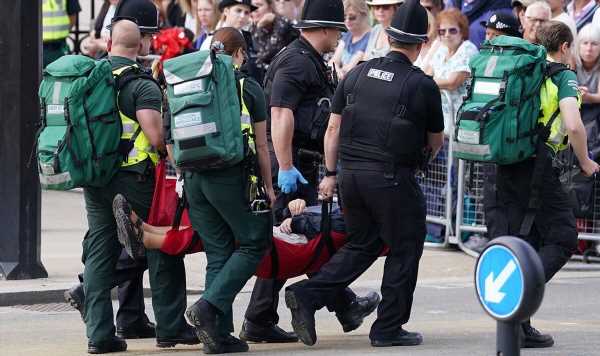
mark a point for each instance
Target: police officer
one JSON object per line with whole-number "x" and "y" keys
{"x": 58, "y": 17}
{"x": 385, "y": 113}
{"x": 299, "y": 86}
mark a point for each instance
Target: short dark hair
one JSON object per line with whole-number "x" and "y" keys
{"x": 401, "y": 45}
{"x": 553, "y": 34}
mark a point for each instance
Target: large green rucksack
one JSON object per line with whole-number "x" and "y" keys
{"x": 498, "y": 120}
{"x": 205, "y": 111}
{"x": 79, "y": 141}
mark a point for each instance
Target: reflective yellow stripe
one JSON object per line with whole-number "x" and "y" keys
{"x": 55, "y": 20}
{"x": 557, "y": 140}
{"x": 245, "y": 118}
{"x": 142, "y": 149}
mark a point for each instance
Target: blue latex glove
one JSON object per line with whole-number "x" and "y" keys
{"x": 286, "y": 180}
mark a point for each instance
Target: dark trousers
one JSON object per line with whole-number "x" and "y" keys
{"x": 129, "y": 278}
{"x": 379, "y": 212}
{"x": 554, "y": 232}
{"x": 495, "y": 217}
{"x": 264, "y": 301}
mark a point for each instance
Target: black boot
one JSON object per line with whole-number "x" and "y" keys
{"x": 303, "y": 317}
{"x": 532, "y": 338}
{"x": 203, "y": 317}
{"x": 356, "y": 312}
{"x": 76, "y": 298}
{"x": 186, "y": 337}
{"x": 403, "y": 338}
{"x": 230, "y": 344}
{"x": 270, "y": 334}
{"x": 144, "y": 329}
{"x": 116, "y": 344}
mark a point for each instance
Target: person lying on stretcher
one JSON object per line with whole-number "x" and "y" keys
{"x": 301, "y": 225}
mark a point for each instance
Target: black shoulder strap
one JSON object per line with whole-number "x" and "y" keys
{"x": 325, "y": 240}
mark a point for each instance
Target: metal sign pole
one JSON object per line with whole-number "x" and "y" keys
{"x": 20, "y": 69}
{"x": 509, "y": 281}
{"x": 508, "y": 338}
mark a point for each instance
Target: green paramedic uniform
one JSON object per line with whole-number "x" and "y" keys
{"x": 234, "y": 239}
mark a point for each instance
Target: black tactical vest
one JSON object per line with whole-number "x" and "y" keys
{"x": 377, "y": 125}
{"x": 311, "y": 118}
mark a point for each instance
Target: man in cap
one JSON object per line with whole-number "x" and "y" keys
{"x": 299, "y": 86}
{"x": 385, "y": 114}
{"x": 501, "y": 24}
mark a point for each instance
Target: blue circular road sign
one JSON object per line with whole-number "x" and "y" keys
{"x": 509, "y": 279}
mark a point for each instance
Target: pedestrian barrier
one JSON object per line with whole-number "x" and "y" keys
{"x": 435, "y": 183}
{"x": 470, "y": 216}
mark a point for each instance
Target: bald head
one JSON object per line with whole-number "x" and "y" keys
{"x": 125, "y": 39}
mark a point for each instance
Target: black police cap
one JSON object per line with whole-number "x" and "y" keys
{"x": 143, "y": 12}
{"x": 503, "y": 22}
{"x": 409, "y": 24}
{"x": 322, "y": 13}
{"x": 226, "y": 3}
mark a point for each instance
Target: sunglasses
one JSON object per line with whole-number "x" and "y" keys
{"x": 350, "y": 18}
{"x": 451, "y": 31}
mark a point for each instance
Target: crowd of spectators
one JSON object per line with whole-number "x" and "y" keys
{"x": 457, "y": 29}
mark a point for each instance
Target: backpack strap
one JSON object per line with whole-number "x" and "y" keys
{"x": 326, "y": 240}
{"x": 540, "y": 159}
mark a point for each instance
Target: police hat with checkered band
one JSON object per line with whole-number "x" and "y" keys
{"x": 227, "y": 3}
{"x": 143, "y": 12}
{"x": 409, "y": 24}
{"x": 503, "y": 22}
{"x": 322, "y": 13}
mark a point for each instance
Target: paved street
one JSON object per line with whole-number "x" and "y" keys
{"x": 446, "y": 310}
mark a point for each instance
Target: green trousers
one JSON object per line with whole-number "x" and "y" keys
{"x": 52, "y": 52}
{"x": 234, "y": 238}
{"x": 101, "y": 251}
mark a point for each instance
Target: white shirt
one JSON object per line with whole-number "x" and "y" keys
{"x": 105, "y": 33}
{"x": 190, "y": 23}
{"x": 442, "y": 68}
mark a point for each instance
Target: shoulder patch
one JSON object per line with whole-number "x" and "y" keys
{"x": 380, "y": 75}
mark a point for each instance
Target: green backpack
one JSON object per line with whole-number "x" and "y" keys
{"x": 205, "y": 111}
{"x": 498, "y": 120}
{"x": 79, "y": 142}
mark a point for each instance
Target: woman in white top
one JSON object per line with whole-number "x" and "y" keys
{"x": 383, "y": 12}
{"x": 449, "y": 64}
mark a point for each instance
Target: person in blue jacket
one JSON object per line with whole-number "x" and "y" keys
{"x": 478, "y": 11}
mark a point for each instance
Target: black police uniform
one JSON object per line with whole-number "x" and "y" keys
{"x": 299, "y": 80}
{"x": 383, "y": 204}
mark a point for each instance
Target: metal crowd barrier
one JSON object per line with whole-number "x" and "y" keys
{"x": 439, "y": 199}
{"x": 470, "y": 217}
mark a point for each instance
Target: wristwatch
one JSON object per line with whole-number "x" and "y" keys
{"x": 329, "y": 173}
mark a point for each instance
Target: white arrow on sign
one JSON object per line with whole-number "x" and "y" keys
{"x": 493, "y": 286}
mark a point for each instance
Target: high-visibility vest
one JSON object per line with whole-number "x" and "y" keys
{"x": 246, "y": 121}
{"x": 558, "y": 139}
{"x": 55, "y": 20}
{"x": 142, "y": 149}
